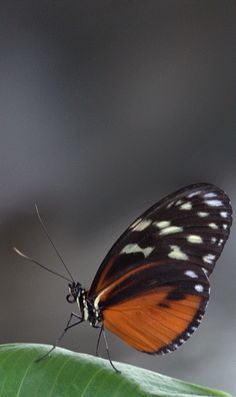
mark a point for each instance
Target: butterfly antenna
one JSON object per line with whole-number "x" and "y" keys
{"x": 51, "y": 242}
{"x": 38, "y": 263}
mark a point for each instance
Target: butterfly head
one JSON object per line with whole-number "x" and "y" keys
{"x": 75, "y": 290}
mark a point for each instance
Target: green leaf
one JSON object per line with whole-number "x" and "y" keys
{"x": 65, "y": 374}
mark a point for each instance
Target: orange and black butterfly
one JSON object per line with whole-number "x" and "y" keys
{"x": 152, "y": 288}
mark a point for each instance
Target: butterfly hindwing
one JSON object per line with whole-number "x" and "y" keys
{"x": 157, "y": 307}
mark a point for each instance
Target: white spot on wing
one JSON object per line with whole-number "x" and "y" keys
{"x": 133, "y": 248}
{"x": 214, "y": 203}
{"x": 223, "y": 214}
{"x": 179, "y": 202}
{"x": 220, "y": 242}
{"x": 213, "y": 225}
{"x": 209, "y": 258}
{"x": 162, "y": 224}
{"x": 193, "y": 238}
{"x": 225, "y": 226}
{"x": 186, "y": 206}
{"x": 142, "y": 225}
{"x": 194, "y": 194}
{"x": 191, "y": 274}
{"x": 203, "y": 214}
{"x": 213, "y": 240}
{"x": 176, "y": 253}
{"x": 209, "y": 195}
{"x": 199, "y": 287}
{"x": 171, "y": 230}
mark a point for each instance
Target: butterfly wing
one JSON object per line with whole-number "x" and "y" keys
{"x": 159, "y": 268}
{"x": 157, "y": 307}
{"x": 191, "y": 224}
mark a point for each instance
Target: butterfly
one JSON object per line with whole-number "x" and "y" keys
{"x": 153, "y": 287}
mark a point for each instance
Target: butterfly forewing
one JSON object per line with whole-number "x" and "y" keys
{"x": 192, "y": 223}
{"x": 152, "y": 287}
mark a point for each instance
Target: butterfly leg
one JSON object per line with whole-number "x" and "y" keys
{"x": 99, "y": 340}
{"x": 107, "y": 349}
{"x": 68, "y": 326}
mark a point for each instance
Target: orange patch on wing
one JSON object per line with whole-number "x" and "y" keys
{"x": 104, "y": 287}
{"x": 148, "y": 327}
{"x": 104, "y": 282}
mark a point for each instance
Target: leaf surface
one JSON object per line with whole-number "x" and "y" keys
{"x": 69, "y": 374}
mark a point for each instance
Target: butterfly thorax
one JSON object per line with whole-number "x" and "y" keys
{"x": 87, "y": 308}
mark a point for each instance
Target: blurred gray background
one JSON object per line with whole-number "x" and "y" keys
{"x": 105, "y": 107}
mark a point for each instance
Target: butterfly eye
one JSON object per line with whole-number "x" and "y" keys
{"x": 70, "y": 298}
